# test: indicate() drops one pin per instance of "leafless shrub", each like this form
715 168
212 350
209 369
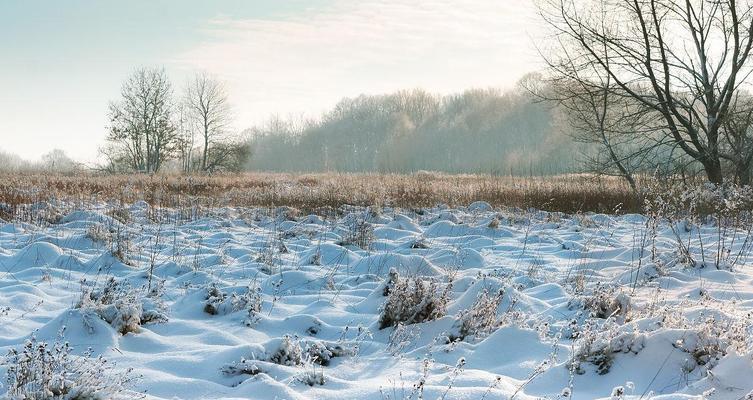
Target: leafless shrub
481 318
121 306
289 353
606 302
413 300
360 234
598 345
220 303
312 374
242 367
42 371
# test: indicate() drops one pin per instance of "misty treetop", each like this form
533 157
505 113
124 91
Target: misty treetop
480 130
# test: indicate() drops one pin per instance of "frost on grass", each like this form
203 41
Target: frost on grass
41 370
413 300
123 307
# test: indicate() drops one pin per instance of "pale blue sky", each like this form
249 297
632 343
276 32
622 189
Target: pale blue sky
61 61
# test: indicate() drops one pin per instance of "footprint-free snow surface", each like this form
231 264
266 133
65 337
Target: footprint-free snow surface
486 304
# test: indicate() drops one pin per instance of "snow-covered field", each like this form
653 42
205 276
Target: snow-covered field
480 304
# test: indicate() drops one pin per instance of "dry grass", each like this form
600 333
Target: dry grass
310 192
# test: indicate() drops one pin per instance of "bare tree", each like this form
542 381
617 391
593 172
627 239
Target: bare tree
186 142
141 132
208 109
58 161
682 61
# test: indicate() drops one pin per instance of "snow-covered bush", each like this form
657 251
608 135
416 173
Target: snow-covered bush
220 303
598 345
481 319
120 214
290 352
215 298
44 371
360 233
322 353
728 207
121 306
99 233
242 367
311 374
605 302
708 341
413 300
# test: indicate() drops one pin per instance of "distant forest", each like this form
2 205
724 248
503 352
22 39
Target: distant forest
477 131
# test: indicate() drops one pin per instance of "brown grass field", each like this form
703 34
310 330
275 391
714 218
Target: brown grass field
311 192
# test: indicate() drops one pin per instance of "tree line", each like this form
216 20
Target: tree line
477 131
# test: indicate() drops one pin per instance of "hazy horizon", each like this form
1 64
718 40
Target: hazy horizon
66 61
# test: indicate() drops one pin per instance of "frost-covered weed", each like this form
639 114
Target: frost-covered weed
293 352
481 319
360 233
606 302
727 207
322 353
598 344
50 371
99 233
708 341
121 246
242 367
220 303
289 353
120 214
123 307
312 373
214 299
413 300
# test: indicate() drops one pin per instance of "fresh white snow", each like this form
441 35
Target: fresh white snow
670 330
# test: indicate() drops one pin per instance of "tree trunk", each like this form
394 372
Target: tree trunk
714 172
743 174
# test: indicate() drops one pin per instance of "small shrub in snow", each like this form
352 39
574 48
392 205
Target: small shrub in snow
709 340
120 247
322 353
605 303
494 223
121 306
43 371
360 234
242 367
219 303
311 375
214 299
598 346
392 278
413 300
290 352
481 319
122 215
99 233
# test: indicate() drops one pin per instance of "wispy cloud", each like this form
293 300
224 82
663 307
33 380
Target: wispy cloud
306 62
